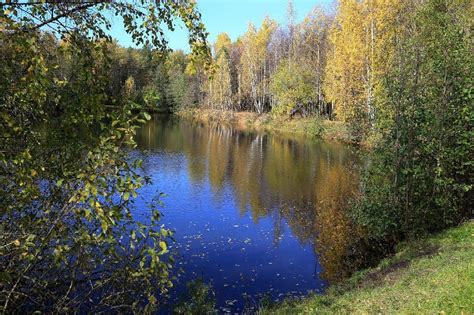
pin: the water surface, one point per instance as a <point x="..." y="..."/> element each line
<point x="253" y="213"/>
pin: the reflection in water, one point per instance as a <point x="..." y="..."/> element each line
<point x="284" y="186"/>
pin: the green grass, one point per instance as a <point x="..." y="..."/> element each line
<point x="312" y="127"/>
<point x="434" y="275"/>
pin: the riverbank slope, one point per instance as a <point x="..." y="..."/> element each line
<point x="311" y="126"/>
<point x="434" y="275"/>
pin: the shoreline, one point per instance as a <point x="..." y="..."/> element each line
<point x="311" y="127"/>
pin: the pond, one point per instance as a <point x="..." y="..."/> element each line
<point x="254" y="214"/>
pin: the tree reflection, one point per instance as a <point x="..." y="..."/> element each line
<point x="305" y="183"/>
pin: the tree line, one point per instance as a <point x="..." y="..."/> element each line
<point x="270" y="68"/>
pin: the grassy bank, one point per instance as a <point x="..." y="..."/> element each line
<point x="312" y="127"/>
<point x="434" y="275"/>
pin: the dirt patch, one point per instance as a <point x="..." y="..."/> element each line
<point x="393" y="271"/>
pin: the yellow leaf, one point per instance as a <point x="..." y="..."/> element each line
<point x="163" y="245"/>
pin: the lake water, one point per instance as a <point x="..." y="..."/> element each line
<point x="253" y="213"/>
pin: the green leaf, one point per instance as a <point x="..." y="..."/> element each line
<point x="126" y="196"/>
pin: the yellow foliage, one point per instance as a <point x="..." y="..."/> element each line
<point x="361" y="39"/>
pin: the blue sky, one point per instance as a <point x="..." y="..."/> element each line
<point x="230" y="16"/>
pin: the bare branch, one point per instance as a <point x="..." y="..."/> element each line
<point x="59" y="16"/>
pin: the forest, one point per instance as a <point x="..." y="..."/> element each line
<point x="397" y="73"/>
